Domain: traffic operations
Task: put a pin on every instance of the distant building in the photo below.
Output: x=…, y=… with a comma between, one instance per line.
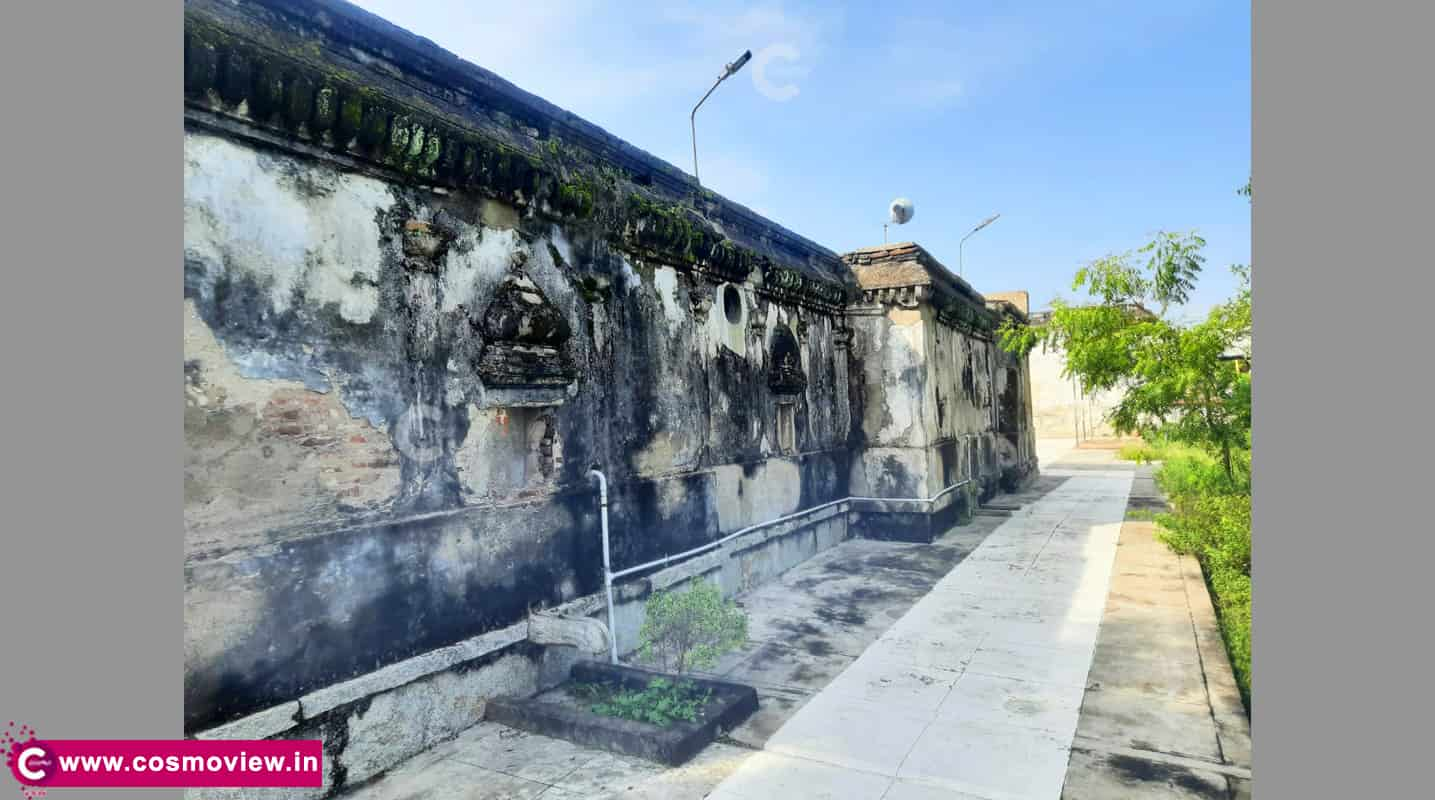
x=1061, y=407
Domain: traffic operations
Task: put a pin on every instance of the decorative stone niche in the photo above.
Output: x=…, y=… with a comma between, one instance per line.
x=515, y=451
x=526, y=373
x=787, y=427
x=787, y=381
x=784, y=375
x=523, y=362
x=950, y=461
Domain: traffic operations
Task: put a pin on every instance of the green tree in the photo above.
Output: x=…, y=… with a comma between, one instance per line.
x=1179, y=381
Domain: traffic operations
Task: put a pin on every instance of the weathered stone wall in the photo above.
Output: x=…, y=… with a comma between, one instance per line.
x=942, y=402
x=352, y=493
x=1016, y=435
x=420, y=304
x=408, y=339
x=893, y=353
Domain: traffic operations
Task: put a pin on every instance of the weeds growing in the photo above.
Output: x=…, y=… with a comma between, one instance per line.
x=662, y=702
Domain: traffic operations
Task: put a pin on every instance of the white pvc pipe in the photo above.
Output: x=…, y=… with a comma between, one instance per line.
x=749, y=529
x=607, y=564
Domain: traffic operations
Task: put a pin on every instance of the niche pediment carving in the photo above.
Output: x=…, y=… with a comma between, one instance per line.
x=524, y=336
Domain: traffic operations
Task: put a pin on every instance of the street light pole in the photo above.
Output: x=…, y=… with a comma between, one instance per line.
x=961, y=265
x=727, y=72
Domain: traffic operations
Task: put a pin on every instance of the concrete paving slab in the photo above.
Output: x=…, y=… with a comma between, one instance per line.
x=774, y=707
x=607, y=774
x=1016, y=607
x=908, y=790
x=766, y=776
x=525, y=755
x=448, y=779
x=775, y=665
x=1029, y=662
x=1159, y=676
x=1233, y=732
x=1136, y=719
x=988, y=760
x=932, y=648
x=874, y=678
x=1026, y=704
x=694, y=780
x=1102, y=776
x=846, y=732
x=1059, y=632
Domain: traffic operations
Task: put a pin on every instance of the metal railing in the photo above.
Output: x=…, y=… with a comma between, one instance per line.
x=609, y=575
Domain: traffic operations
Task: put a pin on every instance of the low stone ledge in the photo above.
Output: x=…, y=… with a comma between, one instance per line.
x=409, y=670
x=266, y=723
x=280, y=719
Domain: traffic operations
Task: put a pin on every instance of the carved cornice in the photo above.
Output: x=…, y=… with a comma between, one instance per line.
x=678, y=237
x=969, y=319
x=287, y=90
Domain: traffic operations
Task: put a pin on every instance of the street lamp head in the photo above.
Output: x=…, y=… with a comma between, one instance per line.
x=986, y=222
x=732, y=68
x=727, y=72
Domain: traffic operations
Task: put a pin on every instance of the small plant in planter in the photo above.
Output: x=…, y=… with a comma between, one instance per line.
x=692, y=629
x=662, y=702
x=638, y=711
x=682, y=631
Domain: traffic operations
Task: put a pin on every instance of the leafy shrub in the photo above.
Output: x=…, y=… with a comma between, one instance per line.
x=1140, y=452
x=691, y=629
x=662, y=702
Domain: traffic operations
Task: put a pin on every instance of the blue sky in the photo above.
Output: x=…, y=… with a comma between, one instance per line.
x=1088, y=126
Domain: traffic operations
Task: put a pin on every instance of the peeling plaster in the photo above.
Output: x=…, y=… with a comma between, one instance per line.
x=665, y=281
x=306, y=230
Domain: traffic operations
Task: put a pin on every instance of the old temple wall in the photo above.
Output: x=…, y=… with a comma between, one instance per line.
x=942, y=402
x=419, y=306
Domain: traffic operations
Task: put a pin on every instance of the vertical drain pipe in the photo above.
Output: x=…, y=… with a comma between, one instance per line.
x=607, y=563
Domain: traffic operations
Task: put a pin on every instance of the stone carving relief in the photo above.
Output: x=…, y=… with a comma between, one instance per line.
x=523, y=336
x=785, y=374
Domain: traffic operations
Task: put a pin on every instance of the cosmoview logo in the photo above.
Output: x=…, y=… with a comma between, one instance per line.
x=31, y=760
x=35, y=762
x=160, y=763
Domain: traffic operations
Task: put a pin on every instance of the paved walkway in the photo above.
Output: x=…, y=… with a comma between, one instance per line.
x=805, y=628
x=1162, y=717
x=1054, y=653
x=976, y=691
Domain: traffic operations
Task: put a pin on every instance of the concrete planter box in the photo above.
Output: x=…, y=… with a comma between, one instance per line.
x=730, y=705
